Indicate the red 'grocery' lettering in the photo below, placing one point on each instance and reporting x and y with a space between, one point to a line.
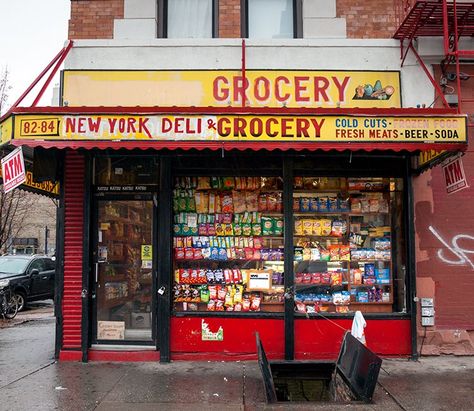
305 90
284 127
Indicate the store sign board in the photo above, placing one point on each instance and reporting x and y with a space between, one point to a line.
13 170
6 128
426 158
216 88
454 175
48 188
208 335
291 128
147 252
110 330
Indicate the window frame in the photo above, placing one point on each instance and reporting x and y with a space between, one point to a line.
162 17
297 19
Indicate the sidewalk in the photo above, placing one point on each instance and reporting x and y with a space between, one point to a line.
435 383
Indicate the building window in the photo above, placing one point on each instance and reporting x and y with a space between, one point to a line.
187 18
271 19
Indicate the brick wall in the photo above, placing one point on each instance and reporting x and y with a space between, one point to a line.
367 19
229 18
442 274
94 19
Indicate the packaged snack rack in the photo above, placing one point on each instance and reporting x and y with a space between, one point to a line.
228 244
342 239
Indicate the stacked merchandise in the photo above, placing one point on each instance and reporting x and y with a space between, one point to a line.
221 225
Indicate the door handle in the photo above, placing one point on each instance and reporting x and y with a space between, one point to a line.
96 272
45 277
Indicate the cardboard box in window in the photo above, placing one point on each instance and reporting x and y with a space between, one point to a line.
141 320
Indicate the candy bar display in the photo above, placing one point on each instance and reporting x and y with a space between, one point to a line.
342 245
226 231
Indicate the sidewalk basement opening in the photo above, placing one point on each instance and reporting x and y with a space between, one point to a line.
352 378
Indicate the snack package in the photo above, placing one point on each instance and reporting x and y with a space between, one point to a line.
356 276
332 204
203 183
323 206
256 229
272 202
345 253
296 204
238 199
262 202
251 200
325 255
228 183
356 206
267 226
317 227
307 227
369 270
278 226
334 252
299 227
338 228
298 183
315 254
336 278
255 303
326 227
227 205
298 253
246 303
314 204
325 278
316 278
305 204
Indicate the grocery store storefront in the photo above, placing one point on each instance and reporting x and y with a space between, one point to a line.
186 230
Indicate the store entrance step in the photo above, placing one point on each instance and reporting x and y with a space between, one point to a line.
122 347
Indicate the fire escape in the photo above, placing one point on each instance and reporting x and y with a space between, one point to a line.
452 21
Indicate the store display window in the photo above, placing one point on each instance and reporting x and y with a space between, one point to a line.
228 244
348 244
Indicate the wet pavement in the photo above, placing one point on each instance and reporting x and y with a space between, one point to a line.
31 380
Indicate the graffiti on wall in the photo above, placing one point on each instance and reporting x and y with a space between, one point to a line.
456 254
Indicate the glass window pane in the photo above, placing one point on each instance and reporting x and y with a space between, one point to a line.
124 288
189 18
349 245
228 244
270 19
124 170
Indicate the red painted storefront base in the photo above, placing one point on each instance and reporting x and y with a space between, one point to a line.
314 339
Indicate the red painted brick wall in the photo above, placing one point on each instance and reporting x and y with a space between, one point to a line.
367 19
94 19
450 215
229 18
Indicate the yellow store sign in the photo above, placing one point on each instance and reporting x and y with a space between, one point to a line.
290 128
214 88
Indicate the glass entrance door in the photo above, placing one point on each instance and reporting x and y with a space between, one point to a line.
123 274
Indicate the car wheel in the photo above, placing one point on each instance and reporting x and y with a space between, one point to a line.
20 297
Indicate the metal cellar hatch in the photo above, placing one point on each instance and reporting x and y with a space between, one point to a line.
352 377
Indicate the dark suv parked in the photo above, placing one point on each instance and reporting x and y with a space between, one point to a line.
30 276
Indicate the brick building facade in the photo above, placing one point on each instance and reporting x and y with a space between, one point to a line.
327 60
